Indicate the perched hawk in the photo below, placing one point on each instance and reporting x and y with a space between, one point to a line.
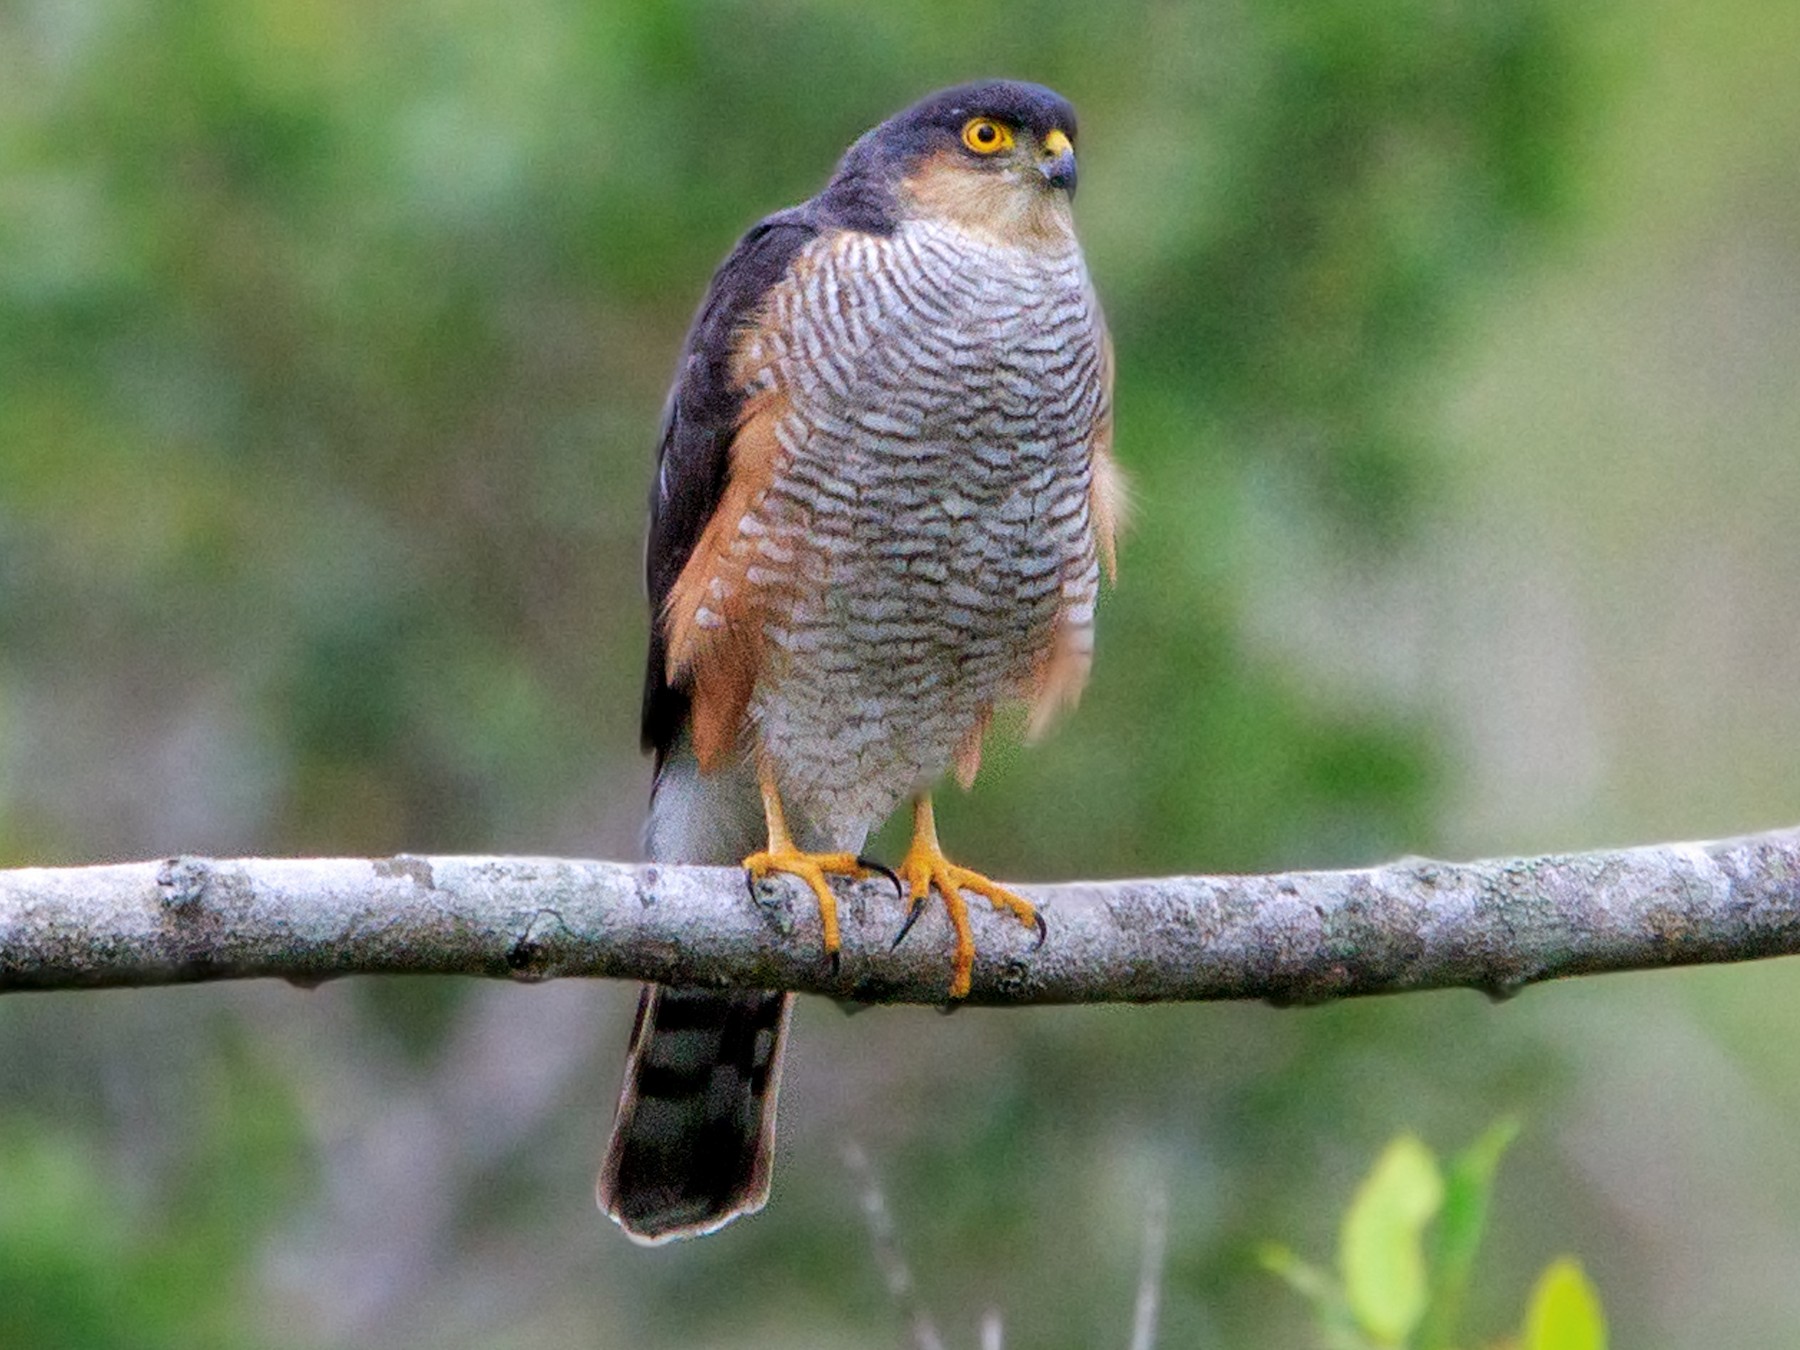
883 497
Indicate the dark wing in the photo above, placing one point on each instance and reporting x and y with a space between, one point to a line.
693 461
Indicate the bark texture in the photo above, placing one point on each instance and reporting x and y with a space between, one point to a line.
1297 937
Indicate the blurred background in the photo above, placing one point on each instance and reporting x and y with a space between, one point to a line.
1457 348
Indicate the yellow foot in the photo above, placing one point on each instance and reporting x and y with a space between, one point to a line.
813 869
926 866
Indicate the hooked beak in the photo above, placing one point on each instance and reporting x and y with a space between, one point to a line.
1058 162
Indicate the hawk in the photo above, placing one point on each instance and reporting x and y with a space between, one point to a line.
884 494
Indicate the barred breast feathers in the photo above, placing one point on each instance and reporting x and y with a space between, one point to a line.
921 496
1062 674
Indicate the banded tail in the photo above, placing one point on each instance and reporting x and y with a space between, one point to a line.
693 1143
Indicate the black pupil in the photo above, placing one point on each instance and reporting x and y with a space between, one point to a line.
986 134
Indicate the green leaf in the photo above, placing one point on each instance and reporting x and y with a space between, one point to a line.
1467 1188
1380 1251
1565 1311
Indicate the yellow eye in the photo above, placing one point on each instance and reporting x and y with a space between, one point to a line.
985 136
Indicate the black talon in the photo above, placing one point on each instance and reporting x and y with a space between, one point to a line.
1043 932
887 872
750 884
905 928
837 963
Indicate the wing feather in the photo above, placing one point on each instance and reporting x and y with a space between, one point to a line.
706 407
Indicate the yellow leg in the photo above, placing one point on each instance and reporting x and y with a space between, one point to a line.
783 855
926 866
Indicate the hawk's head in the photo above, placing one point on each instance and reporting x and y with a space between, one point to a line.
997 156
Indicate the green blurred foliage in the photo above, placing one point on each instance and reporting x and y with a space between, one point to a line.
86 1261
1468 1189
332 342
1393 1285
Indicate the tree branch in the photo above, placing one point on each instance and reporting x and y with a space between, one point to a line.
1298 937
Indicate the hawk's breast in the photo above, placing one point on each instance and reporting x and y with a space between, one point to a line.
926 530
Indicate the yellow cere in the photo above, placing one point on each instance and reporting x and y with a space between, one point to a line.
1056 142
985 136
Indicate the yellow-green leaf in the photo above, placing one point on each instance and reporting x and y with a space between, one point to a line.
1565 1311
1381 1250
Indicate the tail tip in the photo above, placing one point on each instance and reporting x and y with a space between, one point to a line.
653 1220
